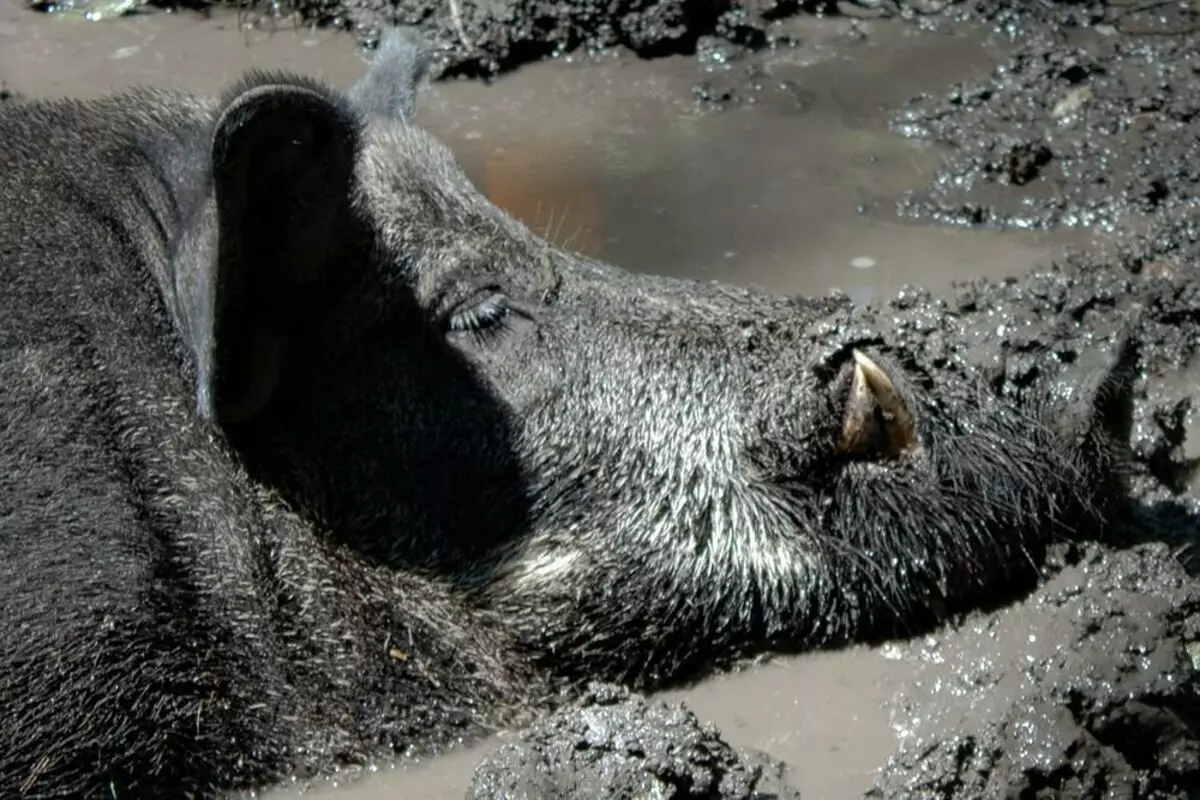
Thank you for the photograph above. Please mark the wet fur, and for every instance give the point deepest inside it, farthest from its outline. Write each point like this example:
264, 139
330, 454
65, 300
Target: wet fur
265, 510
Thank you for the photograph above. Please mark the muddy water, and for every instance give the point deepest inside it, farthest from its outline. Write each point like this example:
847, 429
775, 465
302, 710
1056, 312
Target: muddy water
613, 160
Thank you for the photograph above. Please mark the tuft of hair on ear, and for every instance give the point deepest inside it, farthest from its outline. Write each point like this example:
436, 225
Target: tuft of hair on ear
401, 62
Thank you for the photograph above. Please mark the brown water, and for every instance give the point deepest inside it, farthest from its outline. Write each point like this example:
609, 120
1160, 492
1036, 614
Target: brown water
614, 160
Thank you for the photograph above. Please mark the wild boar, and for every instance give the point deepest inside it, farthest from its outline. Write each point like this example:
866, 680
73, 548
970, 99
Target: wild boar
310, 453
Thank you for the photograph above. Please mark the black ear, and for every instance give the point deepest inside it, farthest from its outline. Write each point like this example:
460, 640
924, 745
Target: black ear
1112, 391
1101, 420
390, 87
283, 155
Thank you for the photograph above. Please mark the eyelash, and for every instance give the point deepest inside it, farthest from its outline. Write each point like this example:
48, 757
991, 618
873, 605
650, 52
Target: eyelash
483, 320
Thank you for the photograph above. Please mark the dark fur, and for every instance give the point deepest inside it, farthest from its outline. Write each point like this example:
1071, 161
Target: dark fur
272, 498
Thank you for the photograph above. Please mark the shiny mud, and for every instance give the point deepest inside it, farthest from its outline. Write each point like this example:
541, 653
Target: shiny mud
1004, 191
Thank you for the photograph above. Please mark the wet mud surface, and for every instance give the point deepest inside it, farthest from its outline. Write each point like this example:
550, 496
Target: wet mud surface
1081, 126
611, 744
484, 38
1093, 121
1084, 690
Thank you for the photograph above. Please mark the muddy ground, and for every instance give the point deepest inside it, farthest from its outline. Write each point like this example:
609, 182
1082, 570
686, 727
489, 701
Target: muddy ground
1088, 687
1085, 690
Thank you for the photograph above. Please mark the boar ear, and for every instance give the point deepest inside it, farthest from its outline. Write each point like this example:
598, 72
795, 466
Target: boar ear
1112, 390
401, 62
283, 154
1101, 422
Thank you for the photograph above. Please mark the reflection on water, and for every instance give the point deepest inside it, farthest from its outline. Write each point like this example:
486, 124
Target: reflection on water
563, 204
613, 160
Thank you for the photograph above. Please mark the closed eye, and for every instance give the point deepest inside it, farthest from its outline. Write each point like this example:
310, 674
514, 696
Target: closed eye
478, 315
482, 318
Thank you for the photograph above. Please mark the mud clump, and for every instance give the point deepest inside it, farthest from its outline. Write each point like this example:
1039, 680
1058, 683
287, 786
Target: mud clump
614, 744
484, 39
1085, 690
1092, 121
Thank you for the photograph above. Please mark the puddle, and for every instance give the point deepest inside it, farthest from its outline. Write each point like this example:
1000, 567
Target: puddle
826, 715
613, 160
833, 737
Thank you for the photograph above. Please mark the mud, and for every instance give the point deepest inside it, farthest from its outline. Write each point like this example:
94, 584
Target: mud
1057, 145
612, 744
1085, 690
484, 39
1093, 121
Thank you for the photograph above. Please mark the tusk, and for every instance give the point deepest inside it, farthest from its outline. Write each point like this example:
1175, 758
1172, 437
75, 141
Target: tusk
898, 422
872, 388
858, 425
